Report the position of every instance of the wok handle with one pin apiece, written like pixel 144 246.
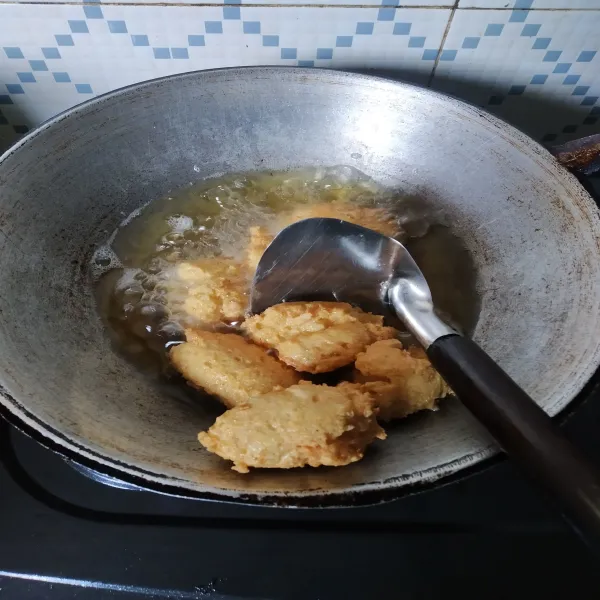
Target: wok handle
pixel 523 429
pixel 581 156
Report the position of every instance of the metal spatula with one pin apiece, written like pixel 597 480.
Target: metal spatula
pixel 328 259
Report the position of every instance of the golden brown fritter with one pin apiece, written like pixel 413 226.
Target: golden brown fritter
pixel 401 381
pixel 210 290
pixel 305 424
pixel 260 238
pixel 316 336
pixel 229 367
pixel 378 219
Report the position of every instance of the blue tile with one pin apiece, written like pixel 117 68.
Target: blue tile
pixel 429 54
pixel 179 53
pixel 38 65
pixel 523 3
pixel 61 77
pixel 586 56
pixel 5 99
pixel 570 129
pixel 587 101
pixel 402 28
pixel 14 88
pixel 140 40
pixel 518 16
pixel 448 55
pixel 232 13
pixel 562 67
pixel 289 53
pixel 50 52
pixel 3 119
pixel 83 88
pixel 549 137
pixel 64 40
pixel 271 40
pixel 581 90
pixel 12 52
pixel 213 27
pixel 161 52
pixel 196 40
pixel 93 12
pixel 571 79
pixel 26 77
pixel 516 90
pixel 471 42
pixel 595 110
pixel 530 30
pixel 539 79
pixel 390 2
pixel 251 26
pixel 416 42
pixel 496 100
pixel 590 121
pixel 344 41
pixel 324 53
pixel 494 29
pixel 306 63
pixel 364 28
pixel 386 14
pixel 232 2
pixel 117 26
pixel 78 27
pixel 541 43
pixel 20 128
pixel 552 55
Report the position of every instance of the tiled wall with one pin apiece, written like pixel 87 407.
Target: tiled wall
pixel 534 62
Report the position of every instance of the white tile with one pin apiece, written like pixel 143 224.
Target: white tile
pixel 281 3
pixel 104 57
pixel 569 67
pixel 531 4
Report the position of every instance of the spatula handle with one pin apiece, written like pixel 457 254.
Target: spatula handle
pixel 523 429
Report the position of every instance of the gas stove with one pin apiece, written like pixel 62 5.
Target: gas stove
pixel 65 534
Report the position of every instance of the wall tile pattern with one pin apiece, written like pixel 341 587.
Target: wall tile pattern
pixel 536 63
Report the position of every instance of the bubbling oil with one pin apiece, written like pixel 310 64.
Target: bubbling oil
pixel 212 219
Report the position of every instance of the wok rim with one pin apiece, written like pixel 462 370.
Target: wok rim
pixel 360 494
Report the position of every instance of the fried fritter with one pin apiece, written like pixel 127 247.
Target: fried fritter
pixel 401 381
pixel 316 336
pixel 378 219
pixel 210 290
pixel 229 367
pixel 305 424
pixel 260 238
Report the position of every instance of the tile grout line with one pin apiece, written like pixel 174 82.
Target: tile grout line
pixel 442 43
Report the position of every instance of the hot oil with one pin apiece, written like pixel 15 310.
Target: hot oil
pixel 212 219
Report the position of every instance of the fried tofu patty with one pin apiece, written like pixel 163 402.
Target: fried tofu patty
pixel 378 219
pixel 210 290
pixel 316 336
pixel 401 381
pixel 229 367
pixel 305 424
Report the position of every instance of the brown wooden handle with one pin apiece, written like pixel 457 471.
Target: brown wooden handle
pixel 523 429
pixel 581 156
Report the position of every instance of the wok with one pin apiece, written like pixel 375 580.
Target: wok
pixel 530 227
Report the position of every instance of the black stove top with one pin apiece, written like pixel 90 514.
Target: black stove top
pixel 490 536
pixel 63 535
